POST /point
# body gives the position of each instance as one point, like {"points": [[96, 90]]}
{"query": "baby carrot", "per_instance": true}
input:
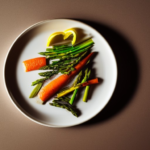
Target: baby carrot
{"points": [[34, 63], [54, 86]]}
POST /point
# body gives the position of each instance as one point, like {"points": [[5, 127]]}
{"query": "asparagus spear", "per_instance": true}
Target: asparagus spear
{"points": [[46, 67], [76, 49], [72, 52], [57, 47], [62, 64], [39, 81], [63, 98], [47, 76], [77, 80], [69, 49], [48, 73], [36, 90], [65, 68], [65, 57], [56, 104], [66, 60], [87, 88], [70, 67], [76, 90]]}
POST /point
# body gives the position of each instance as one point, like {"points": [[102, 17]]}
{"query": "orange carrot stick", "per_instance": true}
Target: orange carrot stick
{"points": [[54, 86], [89, 82], [34, 63]]}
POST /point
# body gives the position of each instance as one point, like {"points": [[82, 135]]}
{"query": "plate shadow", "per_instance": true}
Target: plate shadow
{"points": [[128, 72]]}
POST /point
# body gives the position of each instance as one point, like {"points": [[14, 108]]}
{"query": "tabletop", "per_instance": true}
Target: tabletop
{"points": [[123, 124]]}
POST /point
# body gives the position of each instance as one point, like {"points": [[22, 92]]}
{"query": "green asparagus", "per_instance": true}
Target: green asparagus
{"points": [[36, 90], [73, 52], [63, 98], [39, 81], [70, 67], [56, 104], [67, 49], [86, 88], [77, 80], [48, 73]]}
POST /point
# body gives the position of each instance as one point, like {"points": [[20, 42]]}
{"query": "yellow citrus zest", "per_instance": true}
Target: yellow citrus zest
{"points": [[66, 34], [52, 36], [69, 32]]}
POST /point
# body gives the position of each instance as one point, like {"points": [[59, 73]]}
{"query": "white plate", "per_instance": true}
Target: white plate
{"points": [[18, 83]]}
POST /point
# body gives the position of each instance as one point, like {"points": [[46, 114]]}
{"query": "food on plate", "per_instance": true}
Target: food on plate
{"points": [[77, 80], [68, 57], [65, 52], [36, 90], [66, 34], [85, 96], [54, 86], [34, 63], [86, 83], [65, 106], [86, 77], [68, 61], [46, 76], [69, 32], [53, 36]]}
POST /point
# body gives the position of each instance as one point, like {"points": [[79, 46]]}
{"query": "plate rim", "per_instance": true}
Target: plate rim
{"points": [[19, 108]]}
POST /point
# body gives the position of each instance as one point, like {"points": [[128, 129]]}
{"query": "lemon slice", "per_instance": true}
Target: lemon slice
{"points": [[66, 34], [52, 36], [69, 32]]}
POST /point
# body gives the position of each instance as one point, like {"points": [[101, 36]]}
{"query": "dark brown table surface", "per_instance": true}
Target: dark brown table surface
{"points": [[124, 124]]}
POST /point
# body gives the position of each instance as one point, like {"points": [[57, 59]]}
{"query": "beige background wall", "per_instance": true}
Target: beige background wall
{"points": [[124, 123]]}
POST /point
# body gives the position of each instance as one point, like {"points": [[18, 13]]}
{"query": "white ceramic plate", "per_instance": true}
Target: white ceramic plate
{"points": [[18, 83]]}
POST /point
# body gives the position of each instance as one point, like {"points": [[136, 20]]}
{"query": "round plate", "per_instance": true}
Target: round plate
{"points": [[18, 83]]}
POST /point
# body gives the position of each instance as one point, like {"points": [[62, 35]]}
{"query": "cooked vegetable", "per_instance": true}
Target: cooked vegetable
{"points": [[77, 80], [67, 60], [48, 73], [56, 104], [64, 69], [70, 50], [36, 90], [69, 68], [54, 86], [34, 63], [39, 81], [76, 90], [66, 66], [87, 88], [63, 99], [93, 81]]}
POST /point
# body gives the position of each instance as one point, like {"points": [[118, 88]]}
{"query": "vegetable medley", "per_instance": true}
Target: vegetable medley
{"points": [[69, 61]]}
